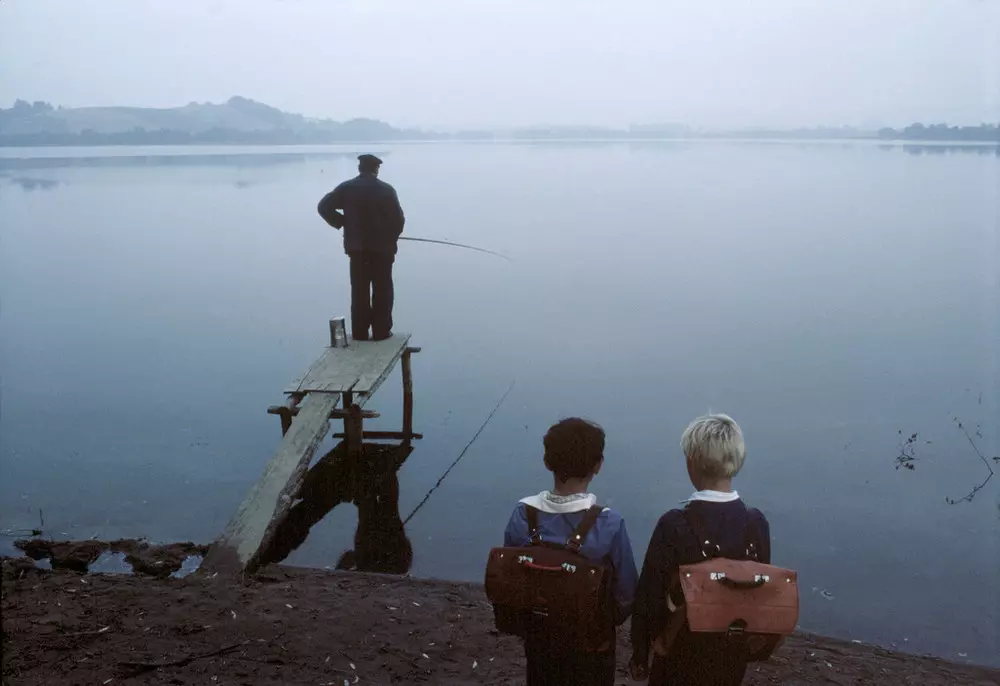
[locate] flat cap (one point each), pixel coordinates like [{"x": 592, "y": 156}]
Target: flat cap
[{"x": 367, "y": 159}]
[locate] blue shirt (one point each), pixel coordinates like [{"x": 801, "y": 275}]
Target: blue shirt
[{"x": 608, "y": 541}]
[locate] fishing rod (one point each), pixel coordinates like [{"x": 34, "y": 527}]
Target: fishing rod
[
  {"x": 336, "y": 220},
  {"x": 456, "y": 245}
]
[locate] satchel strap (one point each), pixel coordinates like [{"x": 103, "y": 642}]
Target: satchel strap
[
  {"x": 586, "y": 524},
  {"x": 711, "y": 550},
  {"x": 534, "y": 529},
  {"x": 575, "y": 539}
]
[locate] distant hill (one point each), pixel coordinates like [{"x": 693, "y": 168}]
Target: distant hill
[{"x": 238, "y": 120}]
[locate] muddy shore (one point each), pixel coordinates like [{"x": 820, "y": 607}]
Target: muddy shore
[{"x": 300, "y": 626}]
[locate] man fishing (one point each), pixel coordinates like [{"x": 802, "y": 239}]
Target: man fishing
[{"x": 372, "y": 221}]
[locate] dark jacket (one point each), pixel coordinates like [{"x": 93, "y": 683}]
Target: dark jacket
[
  {"x": 730, "y": 525},
  {"x": 373, "y": 219}
]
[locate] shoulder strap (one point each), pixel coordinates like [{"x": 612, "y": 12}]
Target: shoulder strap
[
  {"x": 704, "y": 545},
  {"x": 750, "y": 538},
  {"x": 708, "y": 548},
  {"x": 586, "y": 524},
  {"x": 534, "y": 530}
]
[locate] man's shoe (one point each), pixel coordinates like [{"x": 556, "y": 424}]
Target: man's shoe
[
  {"x": 360, "y": 336},
  {"x": 382, "y": 336}
]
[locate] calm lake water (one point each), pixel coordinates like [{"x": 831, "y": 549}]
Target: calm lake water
[{"x": 828, "y": 296}]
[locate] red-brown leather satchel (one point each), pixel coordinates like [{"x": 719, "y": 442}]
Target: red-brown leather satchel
[{"x": 552, "y": 588}]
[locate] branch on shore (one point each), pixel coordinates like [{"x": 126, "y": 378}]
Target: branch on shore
[{"x": 141, "y": 667}]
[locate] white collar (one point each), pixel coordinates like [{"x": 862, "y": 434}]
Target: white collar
[
  {"x": 547, "y": 501},
  {"x": 713, "y": 496}
]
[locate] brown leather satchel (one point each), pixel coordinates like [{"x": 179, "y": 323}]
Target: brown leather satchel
[
  {"x": 552, "y": 589},
  {"x": 756, "y": 604}
]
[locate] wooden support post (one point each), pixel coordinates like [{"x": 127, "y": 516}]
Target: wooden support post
[
  {"x": 407, "y": 398},
  {"x": 355, "y": 450}
]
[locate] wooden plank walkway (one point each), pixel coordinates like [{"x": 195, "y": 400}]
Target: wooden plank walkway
[
  {"x": 347, "y": 375},
  {"x": 359, "y": 368}
]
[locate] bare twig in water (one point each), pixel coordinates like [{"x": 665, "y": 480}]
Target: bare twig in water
[
  {"x": 20, "y": 533},
  {"x": 461, "y": 454},
  {"x": 140, "y": 667},
  {"x": 972, "y": 494},
  {"x": 906, "y": 456}
]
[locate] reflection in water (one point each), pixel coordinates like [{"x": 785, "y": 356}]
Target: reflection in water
[
  {"x": 29, "y": 184},
  {"x": 380, "y": 542},
  {"x": 186, "y": 159},
  {"x": 944, "y": 149}
]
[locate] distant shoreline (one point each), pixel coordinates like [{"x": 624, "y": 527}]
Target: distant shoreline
[
  {"x": 7, "y": 144},
  {"x": 242, "y": 121}
]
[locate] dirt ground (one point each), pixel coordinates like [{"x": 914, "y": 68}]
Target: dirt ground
[{"x": 297, "y": 626}]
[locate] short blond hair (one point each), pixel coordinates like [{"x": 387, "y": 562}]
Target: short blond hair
[{"x": 714, "y": 446}]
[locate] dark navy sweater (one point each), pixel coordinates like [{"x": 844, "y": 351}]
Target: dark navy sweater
[
  {"x": 373, "y": 219},
  {"x": 726, "y": 524}
]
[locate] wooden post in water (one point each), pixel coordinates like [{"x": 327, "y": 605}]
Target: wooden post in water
[{"x": 407, "y": 398}]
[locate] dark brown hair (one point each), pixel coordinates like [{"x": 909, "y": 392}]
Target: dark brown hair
[{"x": 574, "y": 448}]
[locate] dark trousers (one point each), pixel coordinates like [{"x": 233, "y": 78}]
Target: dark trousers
[
  {"x": 717, "y": 669},
  {"x": 371, "y": 294},
  {"x": 547, "y": 667}
]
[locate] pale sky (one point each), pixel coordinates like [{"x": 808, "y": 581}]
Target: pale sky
[{"x": 496, "y": 63}]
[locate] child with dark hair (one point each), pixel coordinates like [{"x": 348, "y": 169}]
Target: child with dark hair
[{"x": 574, "y": 453}]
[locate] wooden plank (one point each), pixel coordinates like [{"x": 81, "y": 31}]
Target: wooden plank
[
  {"x": 283, "y": 411},
  {"x": 360, "y": 367},
  {"x": 381, "y": 435},
  {"x": 369, "y": 381},
  {"x": 268, "y": 503}
]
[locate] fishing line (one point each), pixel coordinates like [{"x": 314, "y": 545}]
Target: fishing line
[{"x": 461, "y": 454}]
